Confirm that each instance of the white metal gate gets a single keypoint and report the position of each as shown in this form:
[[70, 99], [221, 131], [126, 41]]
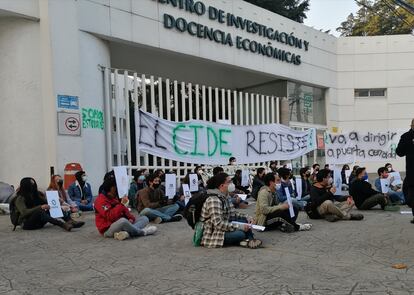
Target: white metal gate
[[127, 91]]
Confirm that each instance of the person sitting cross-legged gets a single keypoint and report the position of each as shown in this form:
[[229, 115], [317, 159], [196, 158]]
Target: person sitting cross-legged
[[270, 213], [365, 196], [395, 192], [322, 200], [154, 204], [112, 217], [81, 193]]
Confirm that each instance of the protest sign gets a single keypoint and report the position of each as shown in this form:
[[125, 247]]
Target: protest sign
[[298, 187], [187, 193], [245, 178], [289, 200], [193, 178], [385, 185], [202, 142], [170, 185], [122, 182], [361, 147], [54, 204]]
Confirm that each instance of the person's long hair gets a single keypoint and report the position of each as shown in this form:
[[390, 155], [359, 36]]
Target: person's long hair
[[53, 186], [28, 190]]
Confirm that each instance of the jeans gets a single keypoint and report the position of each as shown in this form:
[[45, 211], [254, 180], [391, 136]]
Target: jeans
[[378, 199], [82, 207], [396, 197], [123, 224], [165, 213], [235, 237]]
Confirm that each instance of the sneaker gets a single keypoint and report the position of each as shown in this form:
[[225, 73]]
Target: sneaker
[[305, 226], [252, 244], [77, 224], [176, 217], [120, 236], [286, 227], [75, 215], [149, 230], [332, 218], [391, 208], [157, 220], [356, 216], [67, 226]]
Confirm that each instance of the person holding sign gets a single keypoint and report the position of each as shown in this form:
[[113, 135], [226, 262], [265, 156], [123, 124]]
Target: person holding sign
[[270, 213], [33, 209], [394, 193], [406, 148], [217, 214], [153, 204], [323, 197], [365, 197], [113, 219], [285, 175]]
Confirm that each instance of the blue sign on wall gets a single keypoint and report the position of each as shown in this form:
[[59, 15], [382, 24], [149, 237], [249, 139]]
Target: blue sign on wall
[[68, 102]]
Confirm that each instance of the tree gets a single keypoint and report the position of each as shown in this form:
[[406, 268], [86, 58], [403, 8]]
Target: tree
[[381, 17], [292, 9]]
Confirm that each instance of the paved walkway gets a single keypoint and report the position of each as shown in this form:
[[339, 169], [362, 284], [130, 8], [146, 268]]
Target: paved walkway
[[347, 257]]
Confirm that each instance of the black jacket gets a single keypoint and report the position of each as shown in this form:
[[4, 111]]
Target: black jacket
[[360, 190], [320, 195], [406, 148]]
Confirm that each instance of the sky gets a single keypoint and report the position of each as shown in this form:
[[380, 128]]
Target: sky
[[328, 14]]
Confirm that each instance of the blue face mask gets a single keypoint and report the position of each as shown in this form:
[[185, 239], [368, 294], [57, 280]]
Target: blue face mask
[[365, 177]]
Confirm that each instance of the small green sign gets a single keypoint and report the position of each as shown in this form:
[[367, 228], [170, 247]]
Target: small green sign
[[92, 118]]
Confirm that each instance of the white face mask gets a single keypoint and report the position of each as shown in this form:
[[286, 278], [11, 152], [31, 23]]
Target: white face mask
[[389, 169], [231, 188], [330, 181], [84, 178], [278, 186]]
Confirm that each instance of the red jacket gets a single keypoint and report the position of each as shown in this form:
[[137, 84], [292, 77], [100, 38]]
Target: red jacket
[[107, 211]]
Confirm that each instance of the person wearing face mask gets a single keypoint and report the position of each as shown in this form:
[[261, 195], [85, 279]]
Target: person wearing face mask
[[322, 200], [80, 192], [153, 204], [136, 185], [285, 175], [199, 171], [315, 168], [405, 149], [113, 219], [33, 208], [365, 197], [258, 181], [272, 214], [388, 166], [217, 214], [306, 185]]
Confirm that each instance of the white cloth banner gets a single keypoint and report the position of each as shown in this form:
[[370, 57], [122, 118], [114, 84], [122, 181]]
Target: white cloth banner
[[202, 142], [361, 147]]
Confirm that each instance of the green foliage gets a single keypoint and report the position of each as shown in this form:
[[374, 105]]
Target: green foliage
[[379, 17], [292, 9]]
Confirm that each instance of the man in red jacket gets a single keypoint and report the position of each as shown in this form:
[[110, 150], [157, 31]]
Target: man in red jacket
[[113, 219]]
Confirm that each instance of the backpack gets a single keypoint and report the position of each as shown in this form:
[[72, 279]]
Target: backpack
[[192, 211], [14, 213]]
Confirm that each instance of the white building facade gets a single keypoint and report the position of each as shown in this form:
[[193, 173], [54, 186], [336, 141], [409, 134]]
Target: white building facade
[[53, 54]]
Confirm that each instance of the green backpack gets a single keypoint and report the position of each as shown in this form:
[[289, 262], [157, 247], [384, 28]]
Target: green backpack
[[198, 234]]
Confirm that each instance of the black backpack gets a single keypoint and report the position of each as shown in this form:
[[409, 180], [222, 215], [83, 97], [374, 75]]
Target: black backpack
[[192, 211], [14, 213]]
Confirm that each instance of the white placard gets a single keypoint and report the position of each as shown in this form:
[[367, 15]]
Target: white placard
[[253, 226], [385, 185], [337, 181], [187, 193], [289, 165], [122, 181], [299, 188], [193, 178], [406, 212], [289, 200], [347, 175], [397, 178], [54, 204], [170, 185], [245, 178], [243, 197]]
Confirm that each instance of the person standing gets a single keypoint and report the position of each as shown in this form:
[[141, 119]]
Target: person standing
[[406, 148]]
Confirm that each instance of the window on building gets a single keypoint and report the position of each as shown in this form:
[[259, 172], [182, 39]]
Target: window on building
[[373, 92]]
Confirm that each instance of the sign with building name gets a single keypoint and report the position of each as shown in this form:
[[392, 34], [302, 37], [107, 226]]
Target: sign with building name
[[68, 102], [361, 146], [270, 35], [69, 124], [202, 142], [92, 118]]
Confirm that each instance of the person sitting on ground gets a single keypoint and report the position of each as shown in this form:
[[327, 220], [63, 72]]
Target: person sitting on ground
[[113, 219], [352, 177], [237, 180], [273, 166], [217, 170], [136, 185], [235, 198], [33, 208], [306, 185], [389, 168], [365, 197], [394, 193], [273, 215], [199, 171], [285, 174], [81, 193], [153, 203], [258, 181], [322, 200], [217, 214], [56, 184], [315, 168]]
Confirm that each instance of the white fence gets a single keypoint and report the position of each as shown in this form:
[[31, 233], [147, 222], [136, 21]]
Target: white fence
[[127, 91]]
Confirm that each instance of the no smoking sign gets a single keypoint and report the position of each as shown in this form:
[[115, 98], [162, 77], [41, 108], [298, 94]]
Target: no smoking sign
[[69, 124]]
